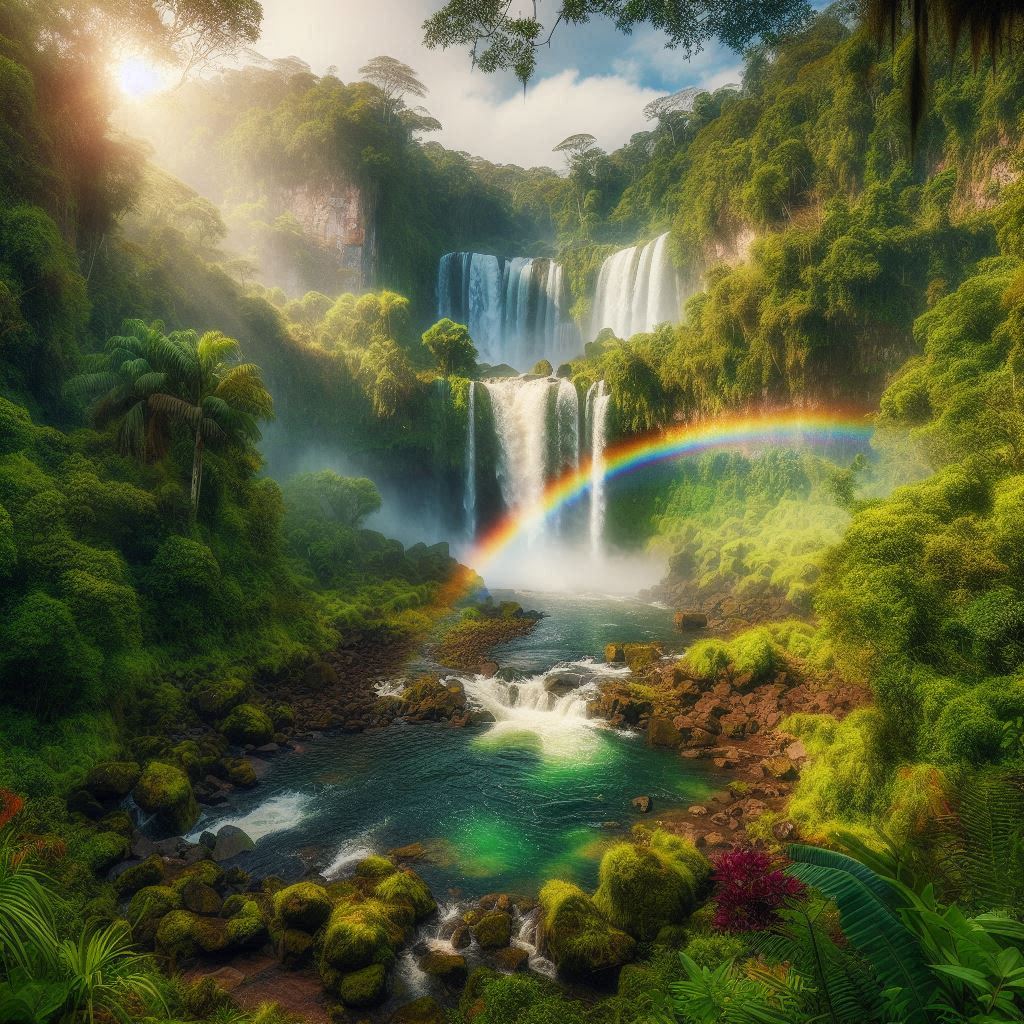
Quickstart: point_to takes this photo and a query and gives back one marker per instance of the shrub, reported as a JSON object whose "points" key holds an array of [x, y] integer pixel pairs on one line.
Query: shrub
{"points": [[750, 889], [706, 659], [968, 731]]}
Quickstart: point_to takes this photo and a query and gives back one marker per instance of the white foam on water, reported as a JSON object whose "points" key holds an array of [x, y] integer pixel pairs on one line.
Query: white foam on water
{"points": [[277, 814], [354, 850]]}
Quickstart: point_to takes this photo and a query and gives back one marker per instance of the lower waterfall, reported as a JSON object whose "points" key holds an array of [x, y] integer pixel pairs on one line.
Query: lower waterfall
{"points": [[469, 495], [598, 401]]}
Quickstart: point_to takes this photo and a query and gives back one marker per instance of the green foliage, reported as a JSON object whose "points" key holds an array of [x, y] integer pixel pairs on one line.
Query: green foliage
{"points": [[451, 347]]}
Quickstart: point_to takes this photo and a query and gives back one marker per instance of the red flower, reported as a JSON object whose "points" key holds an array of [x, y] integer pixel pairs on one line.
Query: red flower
{"points": [[10, 806], [750, 888]]}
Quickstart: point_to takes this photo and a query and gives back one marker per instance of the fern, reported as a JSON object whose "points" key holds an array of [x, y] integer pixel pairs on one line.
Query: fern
{"points": [[869, 907]]}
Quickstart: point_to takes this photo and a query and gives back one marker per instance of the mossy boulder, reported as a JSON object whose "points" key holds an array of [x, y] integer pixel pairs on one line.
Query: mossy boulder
{"points": [[248, 928], [247, 723], [493, 930], [449, 968], [649, 883], [305, 906], [175, 935], [365, 987], [216, 697], [165, 792], [148, 907], [205, 871], [425, 1010], [146, 873], [294, 946], [112, 780], [375, 867], [640, 656], [407, 888], [200, 898], [103, 850], [238, 771], [614, 654], [357, 935], [576, 936], [210, 934]]}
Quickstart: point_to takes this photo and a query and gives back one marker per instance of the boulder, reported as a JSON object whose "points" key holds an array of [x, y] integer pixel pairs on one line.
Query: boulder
{"points": [[643, 804], [165, 792], [139, 876], [231, 841], [577, 937], [639, 656], [247, 723], [425, 1010], [493, 930], [304, 905], [449, 968], [781, 768], [320, 676], [614, 653], [112, 780], [216, 697], [662, 732], [686, 621], [200, 898], [511, 959]]}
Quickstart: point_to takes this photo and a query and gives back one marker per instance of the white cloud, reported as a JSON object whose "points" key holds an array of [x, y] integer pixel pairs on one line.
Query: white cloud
{"points": [[594, 80]]}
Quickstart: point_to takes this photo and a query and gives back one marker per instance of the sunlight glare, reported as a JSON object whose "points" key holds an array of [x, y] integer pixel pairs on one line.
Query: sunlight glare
{"points": [[138, 78]]}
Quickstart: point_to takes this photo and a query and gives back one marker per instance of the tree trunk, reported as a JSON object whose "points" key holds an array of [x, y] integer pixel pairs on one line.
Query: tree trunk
{"points": [[197, 472]]}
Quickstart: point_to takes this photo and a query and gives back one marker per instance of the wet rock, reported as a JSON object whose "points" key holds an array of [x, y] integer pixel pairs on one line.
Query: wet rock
{"points": [[562, 682], [488, 668], [661, 732], [450, 968], [711, 839], [231, 841], [689, 620], [639, 656], [698, 810], [461, 937], [200, 898], [643, 804], [511, 959], [112, 780], [493, 930], [425, 1010]]}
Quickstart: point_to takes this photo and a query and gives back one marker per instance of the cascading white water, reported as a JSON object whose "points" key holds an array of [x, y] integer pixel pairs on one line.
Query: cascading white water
{"points": [[598, 402], [637, 289], [516, 309], [520, 421], [567, 418], [469, 492]]}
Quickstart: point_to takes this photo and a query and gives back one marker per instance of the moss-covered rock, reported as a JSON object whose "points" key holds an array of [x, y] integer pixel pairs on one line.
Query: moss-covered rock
{"points": [[449, 968], [640, 656], [153, 901], [649, 883], [375, 867], [200, 898], [175, 935], [138, 876], [205, 871], [238, 771], [365, 987], [294, 946], [112, 780], [216, 697], [577, 938], [493, 930], [304, 906], [358, 934], [165, 792], [407, 888], [103, 850], [425, 1010], [248, 928], [247, 724], [210, 934]]}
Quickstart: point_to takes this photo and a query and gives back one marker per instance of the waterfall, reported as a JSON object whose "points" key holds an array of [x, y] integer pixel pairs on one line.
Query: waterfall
{"points": [[520, 421], [598, 401], [516, 309], [469, 495], [567, 418], [637, 289]]}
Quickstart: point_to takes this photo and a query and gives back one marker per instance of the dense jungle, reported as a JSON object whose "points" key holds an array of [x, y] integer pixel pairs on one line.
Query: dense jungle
{"points": [[583, 583]]}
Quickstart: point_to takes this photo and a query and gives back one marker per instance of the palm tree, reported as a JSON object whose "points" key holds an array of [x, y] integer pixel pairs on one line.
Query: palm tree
{"points": [[220, 402], [151, 381]]}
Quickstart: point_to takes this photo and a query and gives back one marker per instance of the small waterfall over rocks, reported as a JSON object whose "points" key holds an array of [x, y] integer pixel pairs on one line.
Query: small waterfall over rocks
{"points": [[516, 309], [637, 289]]}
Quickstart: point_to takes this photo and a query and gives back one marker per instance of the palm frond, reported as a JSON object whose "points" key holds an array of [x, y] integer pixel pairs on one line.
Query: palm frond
{"points": [[868, 906], [213, 348], [175, 409], [27, 909], [131, 435]]}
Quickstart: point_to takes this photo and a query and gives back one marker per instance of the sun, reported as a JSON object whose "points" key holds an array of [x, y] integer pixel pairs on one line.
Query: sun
{"points": [[138, 78]]}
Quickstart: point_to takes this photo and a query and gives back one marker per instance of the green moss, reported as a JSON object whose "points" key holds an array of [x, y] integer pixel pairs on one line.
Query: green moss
{"points": [[247, 929], [139, 876], [112, 779], [305, 906], [153, 901], [358, 934], [103, 850], [165, 791], [294, 946], [753, 654], [375, 867], [647, 884], [365, 987], [175, 935], [706, 659], [216, 697], [577, 937], [247, 723], [493, 930], [406, 887]]}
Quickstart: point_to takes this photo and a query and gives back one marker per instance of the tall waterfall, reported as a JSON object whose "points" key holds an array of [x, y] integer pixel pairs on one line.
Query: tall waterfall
{"points": [[637, 288], [516, 309], [598, 401], [521, 423], [567, 420], [469, 494]]}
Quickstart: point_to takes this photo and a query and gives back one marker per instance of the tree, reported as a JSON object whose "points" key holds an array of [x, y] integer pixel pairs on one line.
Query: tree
{"points": [[581, 156], [451, 346], [326, 495], [387, 377], [500, 36], [395, 80], [151, 381]]}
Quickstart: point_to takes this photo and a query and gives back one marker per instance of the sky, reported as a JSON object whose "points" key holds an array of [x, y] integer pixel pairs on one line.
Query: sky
{"points": [[592, 79]]}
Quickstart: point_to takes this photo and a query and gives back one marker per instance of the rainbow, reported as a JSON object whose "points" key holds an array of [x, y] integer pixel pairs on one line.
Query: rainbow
{"points": [[804, 428]]}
